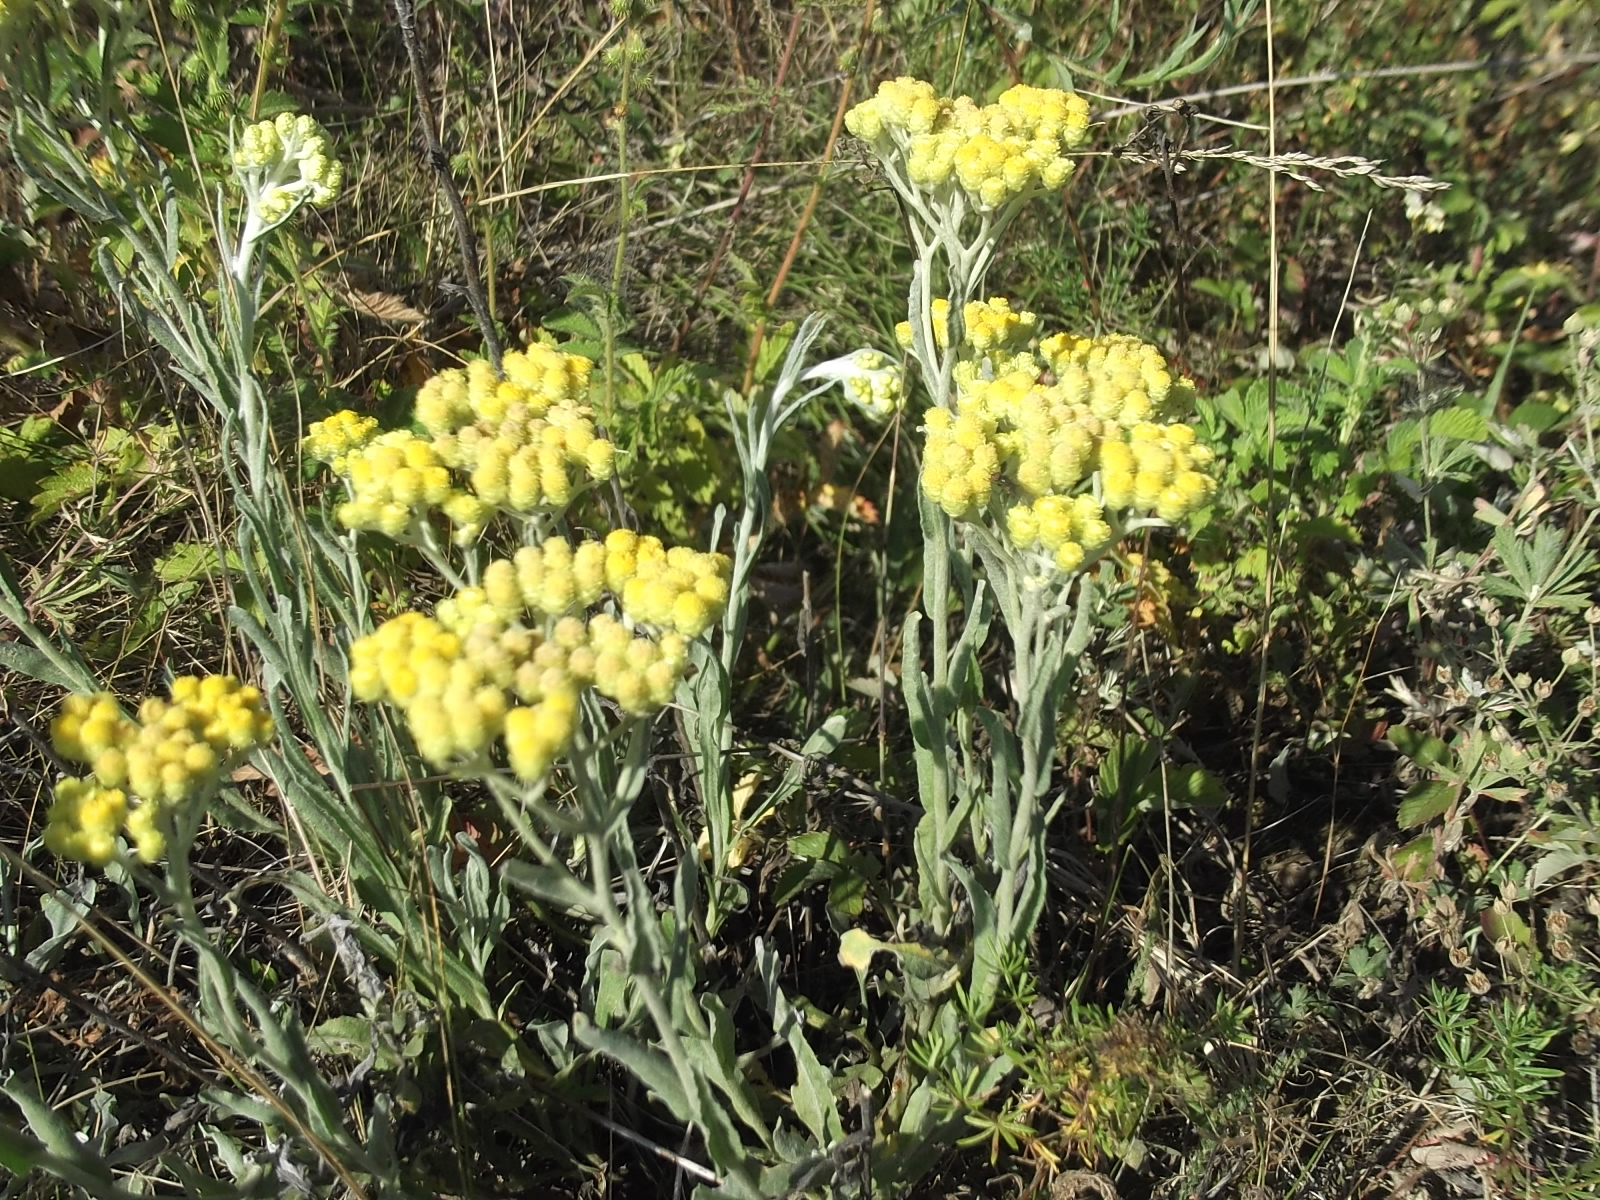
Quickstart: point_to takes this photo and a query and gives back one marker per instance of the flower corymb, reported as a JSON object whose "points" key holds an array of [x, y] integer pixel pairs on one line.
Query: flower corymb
{"points": [[510, 658], [175, 753], [522, 442], [992, 153], [1064, 445]]}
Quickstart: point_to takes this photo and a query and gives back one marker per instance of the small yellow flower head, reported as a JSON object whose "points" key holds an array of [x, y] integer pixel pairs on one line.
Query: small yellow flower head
{"points": [[992, 325], [84, 820], [467, 514], [145, 829], [283, 163], [536, 736], [89, 726], [331, 440], [640, 674], [395, 479]]}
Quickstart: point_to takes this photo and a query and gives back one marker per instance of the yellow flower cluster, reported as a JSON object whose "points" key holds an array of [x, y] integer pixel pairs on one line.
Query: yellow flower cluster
{"points": [[1064, 443], [510, 657], [993, 329], [993, 152], [331, 441], [679, 589], [177, 751], [522, 441]]}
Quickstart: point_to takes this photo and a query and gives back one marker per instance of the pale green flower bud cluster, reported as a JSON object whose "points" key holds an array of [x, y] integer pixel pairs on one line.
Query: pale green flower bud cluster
{"points": [[992, 153], [1061, 445], [177, 751], [509, 658], [283, 163], [522, 443], [869, 379]]}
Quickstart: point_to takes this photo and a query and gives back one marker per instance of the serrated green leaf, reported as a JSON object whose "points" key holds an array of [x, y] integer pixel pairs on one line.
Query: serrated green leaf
{"points": [[71, 482], [773, 347], [573, 323], [1459, 423], [186, 561], [1425, 802]]}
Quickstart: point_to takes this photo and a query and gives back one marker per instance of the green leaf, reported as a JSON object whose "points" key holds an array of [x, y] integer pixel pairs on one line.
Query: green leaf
{"points": [[59, 1151], [847, 894], [824, 846], [650, 1066], [1423, 749], [1535, 415], [718, 1061], [552, 884], [812, 1096], [25, 660], [1425, 802], [349, 1037], [188, 561], [796, 877], [1459, 423], [71, 482], [1195, 787], [19, 1153]]}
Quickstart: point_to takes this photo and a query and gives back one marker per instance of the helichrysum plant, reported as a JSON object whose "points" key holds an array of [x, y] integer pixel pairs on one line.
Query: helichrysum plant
{"points": [[1041, 449]]}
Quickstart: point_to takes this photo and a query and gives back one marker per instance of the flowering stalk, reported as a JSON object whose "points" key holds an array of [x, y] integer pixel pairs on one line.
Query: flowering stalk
{"points": [[1040, 454], [147, 789], [555, 661], [279, 165], [962, 172]]}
